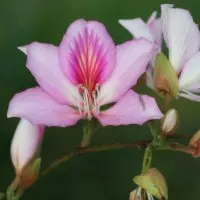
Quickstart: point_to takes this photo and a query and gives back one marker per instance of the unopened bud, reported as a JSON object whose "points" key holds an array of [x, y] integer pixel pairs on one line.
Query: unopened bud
{"points": [[170, 122], [165, 77], [154, 183], [195, 144], [24, 148]]}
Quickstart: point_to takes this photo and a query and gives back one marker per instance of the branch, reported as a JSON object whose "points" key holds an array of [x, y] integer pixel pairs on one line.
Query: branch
{"points": [[142, 144]]}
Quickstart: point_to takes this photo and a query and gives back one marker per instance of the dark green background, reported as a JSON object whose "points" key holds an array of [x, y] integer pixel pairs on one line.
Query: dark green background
{"points": [[100, 176]]}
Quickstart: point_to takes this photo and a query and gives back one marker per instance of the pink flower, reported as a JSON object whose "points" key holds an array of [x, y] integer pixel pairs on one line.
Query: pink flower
{"points": [[182, 37], [25, 144], [84, 73]]}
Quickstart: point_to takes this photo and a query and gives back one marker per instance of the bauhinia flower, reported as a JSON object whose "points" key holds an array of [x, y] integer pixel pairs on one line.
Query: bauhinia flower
{"points": [[86, 72], [182, 38], [25, 144]]}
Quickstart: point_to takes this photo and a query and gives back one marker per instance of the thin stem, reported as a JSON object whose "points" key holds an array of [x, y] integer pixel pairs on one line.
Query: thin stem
{"points": [[142, 144], [147, 159], [181, 148], [89, 129]]}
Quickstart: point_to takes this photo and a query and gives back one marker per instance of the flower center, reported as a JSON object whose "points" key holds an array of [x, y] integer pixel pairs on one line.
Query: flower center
{"points": [[88, 104]]}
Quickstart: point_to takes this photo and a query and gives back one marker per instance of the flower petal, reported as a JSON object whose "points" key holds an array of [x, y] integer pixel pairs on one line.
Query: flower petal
{"points": [[132, 59], [190, 75], [149, 77], [25, 143], [156, 28], [190, 95], [43, 62], [138, 28], [181, 35], [87, 53], [39, 108], [131, 109]]}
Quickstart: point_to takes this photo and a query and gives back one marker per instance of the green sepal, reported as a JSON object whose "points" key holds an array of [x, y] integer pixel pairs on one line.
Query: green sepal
{"points": [[153, 182], [165, 77], [30, 173]]}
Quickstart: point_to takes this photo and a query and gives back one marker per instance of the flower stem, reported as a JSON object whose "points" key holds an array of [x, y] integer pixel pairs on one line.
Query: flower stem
{"points": [[89, 128], [147, 159], [142, 144]]}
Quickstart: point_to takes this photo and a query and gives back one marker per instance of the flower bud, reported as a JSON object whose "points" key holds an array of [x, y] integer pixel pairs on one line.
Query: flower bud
{"points": [[165, 77], [25, 146], [170, 122], [195, 144], [153, 182]]}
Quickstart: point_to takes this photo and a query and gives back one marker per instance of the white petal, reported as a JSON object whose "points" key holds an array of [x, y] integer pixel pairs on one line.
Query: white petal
{"points": [[25, 143], [190, 96], [138, 28], [149, 77], [181, 35], [152, 18], [190, 76]]}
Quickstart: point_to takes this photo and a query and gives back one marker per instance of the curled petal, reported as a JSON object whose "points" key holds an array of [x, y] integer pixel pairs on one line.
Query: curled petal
{"points": [[131, 109], [181, 35], [25, 143], [132, 59], [43, 63], [39, 108], [190, 75], [138, 28], [87, 53], [152, 18]]}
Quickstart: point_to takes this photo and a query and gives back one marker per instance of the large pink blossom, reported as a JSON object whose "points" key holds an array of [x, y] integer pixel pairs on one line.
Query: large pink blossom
{"points": [[84, 73]]}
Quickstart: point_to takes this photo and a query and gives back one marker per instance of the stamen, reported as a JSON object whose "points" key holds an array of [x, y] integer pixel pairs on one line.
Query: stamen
{"points": [[89, 102], [86, 103], [77, 99], [95, 95], [139, 193], [149, 196]]}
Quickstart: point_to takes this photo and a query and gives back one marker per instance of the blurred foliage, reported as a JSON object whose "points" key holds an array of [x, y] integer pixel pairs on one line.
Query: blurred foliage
{"points": [[99, 176]]}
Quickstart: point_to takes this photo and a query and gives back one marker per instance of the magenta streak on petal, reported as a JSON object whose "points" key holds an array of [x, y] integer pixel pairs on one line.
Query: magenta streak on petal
{"points": [[88, 60]]}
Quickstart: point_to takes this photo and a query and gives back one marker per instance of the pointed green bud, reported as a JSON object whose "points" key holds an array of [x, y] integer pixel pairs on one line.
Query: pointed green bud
{"points": [[170, 122], [195, 144], [154, 183], [165, 77]]}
